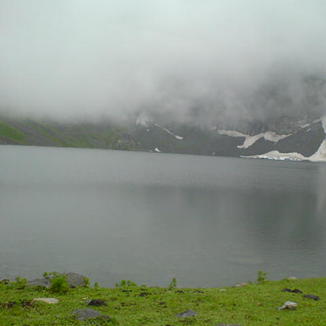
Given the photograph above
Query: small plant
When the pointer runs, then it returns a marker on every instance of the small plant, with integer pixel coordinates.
(59, 284)
(51, 275)
(20, 283)
(125, 284)
(261, 277)
(87, 282)
(173, 284)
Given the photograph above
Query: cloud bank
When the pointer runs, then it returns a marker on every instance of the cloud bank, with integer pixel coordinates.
(89, 58)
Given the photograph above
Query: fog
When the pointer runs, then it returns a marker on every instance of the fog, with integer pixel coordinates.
(201, 59)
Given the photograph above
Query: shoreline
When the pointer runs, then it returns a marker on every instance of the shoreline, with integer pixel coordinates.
(287, 302)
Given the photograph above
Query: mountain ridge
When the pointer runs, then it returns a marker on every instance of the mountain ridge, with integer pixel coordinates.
(144, 134)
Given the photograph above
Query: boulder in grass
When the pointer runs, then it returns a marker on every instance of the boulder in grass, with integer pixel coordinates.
(86, 314)
(5, 281)
(289, 305)
(312, 296)
(97, 302)
(47, 300)
(187, 313)
(291, 278)
(75, 280)
(41, 282)
(292, 291)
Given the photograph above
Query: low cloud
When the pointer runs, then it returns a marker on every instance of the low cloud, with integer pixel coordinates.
(192, 59)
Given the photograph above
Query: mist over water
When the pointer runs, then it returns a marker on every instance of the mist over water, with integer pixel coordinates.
(150, 217)
(192, 60)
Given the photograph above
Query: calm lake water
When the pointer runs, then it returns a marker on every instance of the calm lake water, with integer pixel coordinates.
(208, 221)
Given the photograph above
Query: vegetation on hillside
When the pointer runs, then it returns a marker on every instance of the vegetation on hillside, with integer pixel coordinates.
(49, 133)
(10, 134)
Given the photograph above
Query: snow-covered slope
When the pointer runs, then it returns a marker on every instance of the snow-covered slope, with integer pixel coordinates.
(318, 156)
(249, 140)
(168, 131)
(276, 155)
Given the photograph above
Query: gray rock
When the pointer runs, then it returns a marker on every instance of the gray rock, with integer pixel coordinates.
(292, 291)
(74, 280)
(85, 314)
(43, 282)
(97, 302)
(187, 313)
(5, 281)
(291, 278)
(312, 296)
(47, 300)
(289, 305)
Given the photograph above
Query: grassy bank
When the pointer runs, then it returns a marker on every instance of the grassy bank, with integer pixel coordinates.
(252, 304)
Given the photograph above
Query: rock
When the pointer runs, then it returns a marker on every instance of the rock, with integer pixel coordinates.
(5, 281)
(85, 314)
(27, 303)
(97, 302)
(8, 305)
(74, 280)
(289, 305)
(291, 278)
(47, 300)
(187, 313)
(42, 282)
(239, 285)
(292, 291)
(312, 296)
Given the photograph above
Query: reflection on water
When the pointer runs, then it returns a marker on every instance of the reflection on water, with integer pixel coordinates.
(150, 217)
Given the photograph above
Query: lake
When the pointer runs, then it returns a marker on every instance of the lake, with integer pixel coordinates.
(145, 217)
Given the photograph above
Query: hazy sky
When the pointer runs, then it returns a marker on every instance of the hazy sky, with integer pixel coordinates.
(88, 57)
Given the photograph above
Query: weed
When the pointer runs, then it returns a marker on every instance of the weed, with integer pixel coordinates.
(20, 283)
(261, 277)
(59, 284)
(173, 284)
(125, 284)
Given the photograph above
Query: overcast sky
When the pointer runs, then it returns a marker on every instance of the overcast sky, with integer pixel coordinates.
(72, 58)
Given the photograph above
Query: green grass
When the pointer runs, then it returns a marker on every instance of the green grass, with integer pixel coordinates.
(254, 305)
(11, 133)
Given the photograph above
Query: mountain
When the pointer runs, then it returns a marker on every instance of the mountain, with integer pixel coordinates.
(52, 133)
(284, 138)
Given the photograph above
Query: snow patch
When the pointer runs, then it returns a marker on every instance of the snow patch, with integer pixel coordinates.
(323, 122)
(169, 132)
(276, 155)
(250, 140)
(303, 126)
(319, 156)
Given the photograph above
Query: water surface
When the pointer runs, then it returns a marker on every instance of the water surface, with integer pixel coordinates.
(208, 221)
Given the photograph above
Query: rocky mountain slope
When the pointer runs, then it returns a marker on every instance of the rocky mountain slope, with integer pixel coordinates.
(145, 134)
